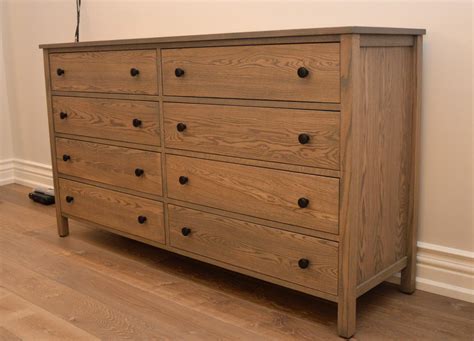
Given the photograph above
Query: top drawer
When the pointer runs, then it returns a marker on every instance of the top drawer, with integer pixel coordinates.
(291, 72)
(111, 72)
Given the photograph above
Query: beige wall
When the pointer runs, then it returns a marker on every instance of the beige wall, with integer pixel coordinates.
(446, 165)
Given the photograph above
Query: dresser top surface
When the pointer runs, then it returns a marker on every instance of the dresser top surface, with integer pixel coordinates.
(247, 35)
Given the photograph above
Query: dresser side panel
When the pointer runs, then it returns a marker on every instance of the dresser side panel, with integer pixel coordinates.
(384, 152)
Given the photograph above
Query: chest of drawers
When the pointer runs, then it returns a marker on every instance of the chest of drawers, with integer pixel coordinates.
(290, 156)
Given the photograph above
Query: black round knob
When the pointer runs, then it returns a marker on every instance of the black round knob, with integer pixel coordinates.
(69, 199)
(181, 127)
(183, 180)
(141, 219)
(303, 138)
(59, 72)
(179, 72)
(303, 72)
(134, 72)
(303, 263)
(66, 157)
(303, 202)
(63, 115)
(139, 172)
(136, 122)
(185, 231)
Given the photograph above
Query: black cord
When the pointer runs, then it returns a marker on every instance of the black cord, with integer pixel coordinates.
(78, 12)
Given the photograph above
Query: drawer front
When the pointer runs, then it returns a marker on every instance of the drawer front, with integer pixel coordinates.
(255, 133)
(134, 169)
(255, 72)
(113, 209)
(109, 72)
(260, 192)
(255, 247)
(108, 118)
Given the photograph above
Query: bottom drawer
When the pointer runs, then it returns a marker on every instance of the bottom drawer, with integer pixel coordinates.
(296, 258)
(123, 212)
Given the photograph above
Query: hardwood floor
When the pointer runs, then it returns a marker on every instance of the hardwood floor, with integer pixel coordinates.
(96, 285)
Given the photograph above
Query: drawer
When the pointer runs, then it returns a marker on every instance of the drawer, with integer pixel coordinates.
(255, 247)
(108, 118)
(134, 169)
(259, 192)
(109, 72)
(113, 209)
(255, 72)
(256, 133)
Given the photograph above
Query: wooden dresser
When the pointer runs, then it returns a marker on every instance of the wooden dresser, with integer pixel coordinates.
(290, 156)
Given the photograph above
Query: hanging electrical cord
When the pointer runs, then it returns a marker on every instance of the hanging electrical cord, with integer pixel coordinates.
(78, 12)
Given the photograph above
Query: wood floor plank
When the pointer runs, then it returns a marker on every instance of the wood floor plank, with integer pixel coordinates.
(116, 294)
(26, 321)
(202, 298)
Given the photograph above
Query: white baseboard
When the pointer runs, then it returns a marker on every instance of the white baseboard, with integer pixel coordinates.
(440, 270)
(24, 172)
(444, 271)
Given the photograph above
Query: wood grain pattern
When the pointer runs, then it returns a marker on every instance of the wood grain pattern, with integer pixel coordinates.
(255, 133)
(62, 222)
(408, 278)
(110, 164)
(348, 212)
(113, 209)
(90, 257)
(260, 192)
(275, 34)
(108, 118)
(384, 148)
(254, 72)
(105, 72)
(259, 248)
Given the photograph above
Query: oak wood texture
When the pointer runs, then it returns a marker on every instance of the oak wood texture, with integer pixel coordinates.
(255, 133)
(350, 181)
(110, 164)
(408, 277)
(259, 248)
(108, 118)
(385, 126)
(62, 222)
(276, 34)
(244, 104)
(107, 71)
(49, 293)
(254, 72)
(260, 192)
(116, 210)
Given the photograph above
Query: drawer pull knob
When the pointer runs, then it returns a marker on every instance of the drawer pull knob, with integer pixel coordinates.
(134, 72)
(181, 127)
(303, 263)
(185, 231)
(303, 138)
(66, 157)
(63, 115)
(179, 72)
(60, 72)
(303, 72)
(69, 199)
(136, 122)
(183, 180)
(141, 219)
(303, 202)
(139, 172)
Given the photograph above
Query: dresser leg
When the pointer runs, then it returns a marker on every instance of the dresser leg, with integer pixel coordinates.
(346, 318)
(63, 226)
(408, 280)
